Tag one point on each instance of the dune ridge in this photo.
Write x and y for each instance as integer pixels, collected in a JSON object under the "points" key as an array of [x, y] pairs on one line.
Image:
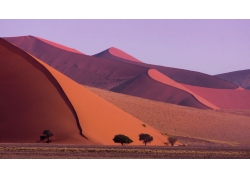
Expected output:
{"points": [[59, 45], [156, 75], [117, 55], [146, 87]]}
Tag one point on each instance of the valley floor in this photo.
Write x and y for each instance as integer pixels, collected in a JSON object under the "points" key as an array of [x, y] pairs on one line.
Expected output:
{"points": [[55, 151]]}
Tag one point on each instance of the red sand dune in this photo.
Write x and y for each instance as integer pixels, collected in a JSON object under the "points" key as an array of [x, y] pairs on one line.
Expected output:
{"points": [[47, 99], [241, 78], [146, 87], [223, 98], [116, 54], [156, 75]]}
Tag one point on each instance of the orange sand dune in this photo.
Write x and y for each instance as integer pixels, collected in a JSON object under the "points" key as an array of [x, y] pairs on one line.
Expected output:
{"points": [[116, 54], [101, 120], [156, 75], [37, 97], [223, 98], [214, 126]]}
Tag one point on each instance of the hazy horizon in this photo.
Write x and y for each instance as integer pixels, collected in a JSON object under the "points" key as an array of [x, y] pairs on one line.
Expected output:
{"points": [[207, 46]]}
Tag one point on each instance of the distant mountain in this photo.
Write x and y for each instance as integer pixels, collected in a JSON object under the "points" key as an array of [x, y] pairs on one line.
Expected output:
{"points": [[241, 78]]}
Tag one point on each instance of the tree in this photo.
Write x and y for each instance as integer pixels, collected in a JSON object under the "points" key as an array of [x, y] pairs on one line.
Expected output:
{"points": [[120, 138], [146, 138], [172, 140], [47, 135]]}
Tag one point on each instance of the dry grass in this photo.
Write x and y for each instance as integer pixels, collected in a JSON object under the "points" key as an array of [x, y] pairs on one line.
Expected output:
{"points": [[31, 151]]}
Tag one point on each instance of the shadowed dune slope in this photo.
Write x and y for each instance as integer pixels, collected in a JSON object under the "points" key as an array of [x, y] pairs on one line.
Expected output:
{"points": [[223, 98], [37, 97], [86, 69], [145, 87], [32, 101], [218, 127], [116, 54], [241, 78]]}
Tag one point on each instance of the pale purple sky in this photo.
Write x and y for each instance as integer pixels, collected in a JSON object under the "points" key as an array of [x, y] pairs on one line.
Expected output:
{"points": [[208, 46]]}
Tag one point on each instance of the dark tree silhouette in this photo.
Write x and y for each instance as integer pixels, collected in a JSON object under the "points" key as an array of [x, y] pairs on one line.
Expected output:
{"points": [[146, 138], [120, 138], [47, 135], [172, 140]]}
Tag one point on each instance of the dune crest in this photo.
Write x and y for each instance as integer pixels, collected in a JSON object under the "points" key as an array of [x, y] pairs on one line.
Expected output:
{"points": [[156, 75], [59, 45], [119, 53]]}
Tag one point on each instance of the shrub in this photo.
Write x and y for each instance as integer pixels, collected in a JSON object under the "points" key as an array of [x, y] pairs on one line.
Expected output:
{"points": [[120, 138]]}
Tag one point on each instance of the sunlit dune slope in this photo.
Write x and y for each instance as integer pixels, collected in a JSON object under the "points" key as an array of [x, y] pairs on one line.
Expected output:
{"points": [[116, 54], [101, 120], [37, 97], [226, 128], [241, 78]]}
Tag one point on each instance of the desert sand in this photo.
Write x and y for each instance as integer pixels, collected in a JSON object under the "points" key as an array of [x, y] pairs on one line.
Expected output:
{"points": [[193, 126], [47, 99]]}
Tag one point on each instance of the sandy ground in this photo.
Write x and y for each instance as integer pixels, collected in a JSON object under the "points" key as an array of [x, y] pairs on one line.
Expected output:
{"points": [[49, 151], [192, 126]]}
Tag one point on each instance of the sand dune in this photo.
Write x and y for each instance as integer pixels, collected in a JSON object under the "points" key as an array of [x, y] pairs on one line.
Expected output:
{"points": [[223, 98], [241, 78], [32, 101], [116, 54], [156, 75], [146, 87], [47, 99], [124, 75], [226, 127]]}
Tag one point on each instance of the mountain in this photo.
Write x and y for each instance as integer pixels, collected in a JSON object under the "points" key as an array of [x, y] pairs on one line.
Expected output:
{"points": [[241, 78]]}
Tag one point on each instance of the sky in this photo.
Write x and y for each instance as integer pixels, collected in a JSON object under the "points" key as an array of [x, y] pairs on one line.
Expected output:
{"points": [[208, 46]]}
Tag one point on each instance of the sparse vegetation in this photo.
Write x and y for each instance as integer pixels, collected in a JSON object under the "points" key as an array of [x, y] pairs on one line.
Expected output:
{"points": [[47, 135], [172, 140], [146, 138], [120, 138], [144, 125]]}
